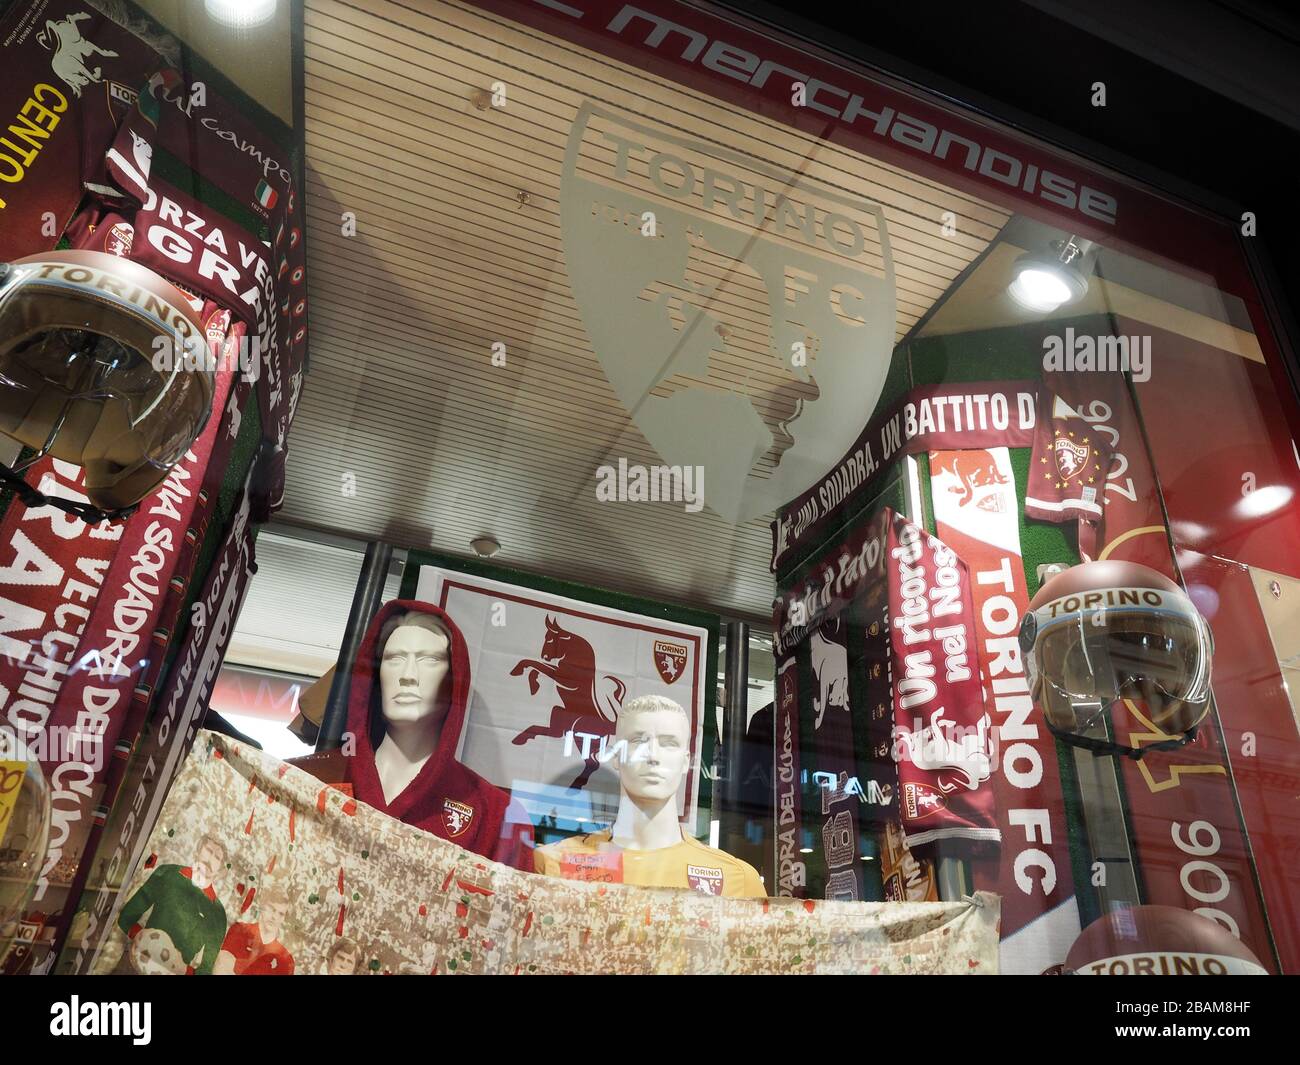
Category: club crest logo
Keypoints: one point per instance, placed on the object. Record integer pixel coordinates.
(670, 660)
(117, 241)
(744, 315)
(958, 757)
(456, 817)
(703, 879)
(216, 329)
(921, 800)
(1071, 458)
(122, 94)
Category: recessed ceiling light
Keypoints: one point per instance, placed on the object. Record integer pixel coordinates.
(240, 14)
(485, 546)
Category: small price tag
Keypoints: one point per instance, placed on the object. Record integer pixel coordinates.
(11, 782)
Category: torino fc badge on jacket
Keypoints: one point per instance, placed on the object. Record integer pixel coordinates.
(456, 817)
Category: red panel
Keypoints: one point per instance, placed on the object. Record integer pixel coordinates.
(1259, 737)
(1223, 452)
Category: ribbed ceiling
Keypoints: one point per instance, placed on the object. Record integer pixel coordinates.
(406, 430)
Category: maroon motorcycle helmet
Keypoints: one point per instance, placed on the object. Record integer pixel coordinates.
(1159, 941)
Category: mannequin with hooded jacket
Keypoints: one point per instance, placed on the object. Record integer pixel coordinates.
(409, 694)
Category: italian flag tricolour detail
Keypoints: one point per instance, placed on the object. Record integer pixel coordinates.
(266, 196)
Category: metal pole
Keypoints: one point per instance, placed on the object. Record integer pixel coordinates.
(734, 721)
(366, 601)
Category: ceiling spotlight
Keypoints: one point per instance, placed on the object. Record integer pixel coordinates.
(240, 14)
(1045, 281)
(485, 546)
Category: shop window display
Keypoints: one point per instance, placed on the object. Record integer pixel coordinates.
(636, 335)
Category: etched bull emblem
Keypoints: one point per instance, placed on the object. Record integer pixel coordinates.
(570, 661)
(71, 50)
(744, 315)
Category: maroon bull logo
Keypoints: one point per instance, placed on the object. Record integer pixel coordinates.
(570, 661)
(973, 469)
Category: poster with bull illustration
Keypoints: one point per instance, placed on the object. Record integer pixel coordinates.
(550, 675)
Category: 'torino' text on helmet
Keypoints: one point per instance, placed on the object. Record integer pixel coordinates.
(94, 371)
(1106, 632)
(1160, 941)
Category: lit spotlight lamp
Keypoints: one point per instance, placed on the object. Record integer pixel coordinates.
(240, 14)
(1045, 281)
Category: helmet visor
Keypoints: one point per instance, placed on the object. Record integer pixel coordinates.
(100, 384)
(1155, 652)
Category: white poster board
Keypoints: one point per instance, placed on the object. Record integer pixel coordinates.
(549, 676)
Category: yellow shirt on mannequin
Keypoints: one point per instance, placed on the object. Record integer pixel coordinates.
(688, 864)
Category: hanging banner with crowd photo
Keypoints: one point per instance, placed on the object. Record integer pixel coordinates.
(976, 513)
(115, 847)
(550, 675)
(256, 868)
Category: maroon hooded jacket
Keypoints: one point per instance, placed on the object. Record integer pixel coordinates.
(446, 798)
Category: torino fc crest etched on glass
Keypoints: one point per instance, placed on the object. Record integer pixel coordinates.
(743, 314)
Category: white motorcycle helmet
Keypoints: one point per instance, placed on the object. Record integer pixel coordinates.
(1109, 631)
(103, 364)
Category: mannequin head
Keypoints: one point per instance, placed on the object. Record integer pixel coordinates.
(657, 733)
(414, 671)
